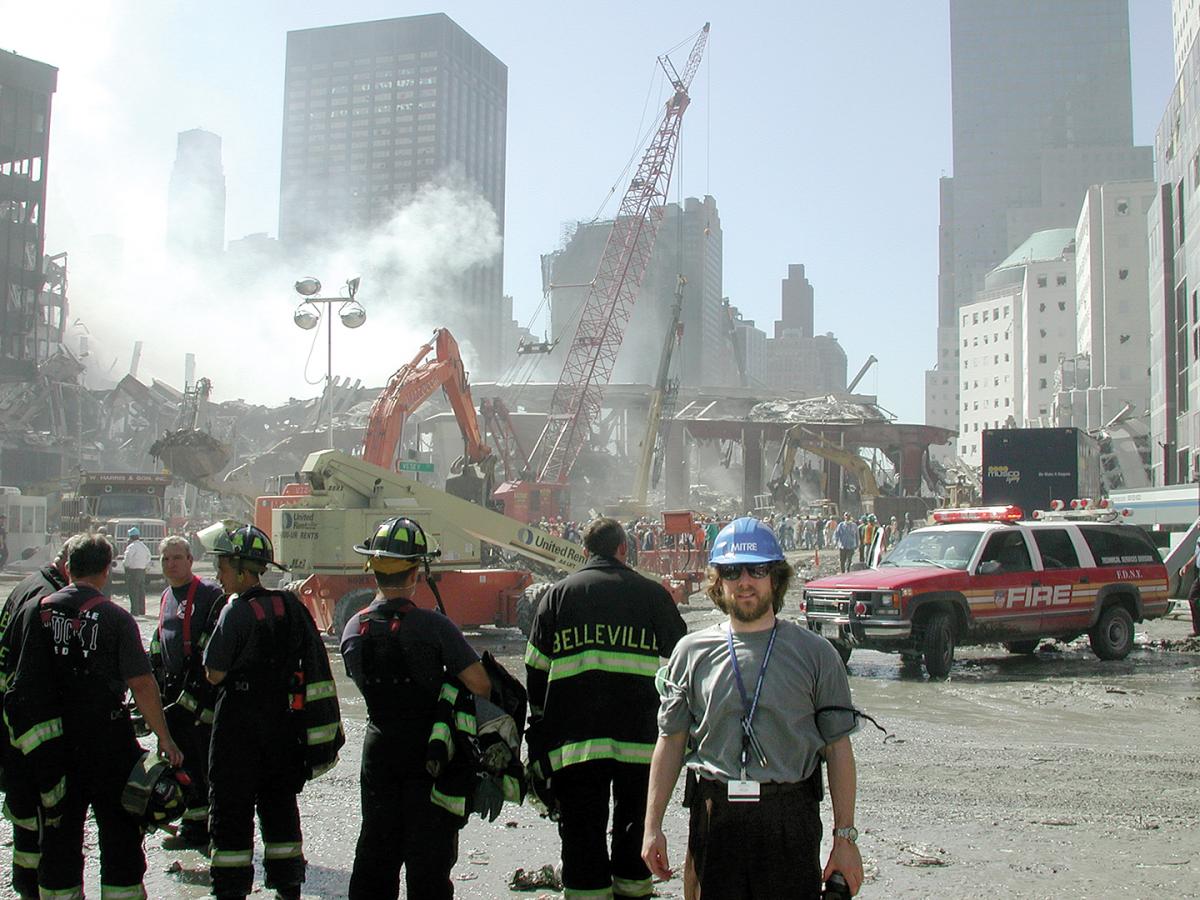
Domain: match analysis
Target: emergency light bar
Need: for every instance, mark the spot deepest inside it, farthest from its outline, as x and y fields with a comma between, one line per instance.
x=978, y=514
x=1082, y=509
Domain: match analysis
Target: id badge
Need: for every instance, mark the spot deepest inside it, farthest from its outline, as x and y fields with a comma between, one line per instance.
x=743, y=791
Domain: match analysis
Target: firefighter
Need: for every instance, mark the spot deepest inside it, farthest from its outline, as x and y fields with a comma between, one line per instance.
x=399, y=656
x=21, y=801
x=263, y=655
x=594, y=647
x=65, y=707
x=187, y=615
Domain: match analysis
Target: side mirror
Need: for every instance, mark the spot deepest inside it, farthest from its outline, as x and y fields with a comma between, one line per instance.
x=991, y=567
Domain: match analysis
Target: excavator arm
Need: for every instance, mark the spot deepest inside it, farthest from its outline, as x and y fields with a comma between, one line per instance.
x=798, y=438
x=410, y=386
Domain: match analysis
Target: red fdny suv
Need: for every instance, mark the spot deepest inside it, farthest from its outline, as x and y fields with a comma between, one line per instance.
x=981, y=576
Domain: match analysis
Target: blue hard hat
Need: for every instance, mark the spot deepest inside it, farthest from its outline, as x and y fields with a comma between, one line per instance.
x=134, y=533
x=745, y=540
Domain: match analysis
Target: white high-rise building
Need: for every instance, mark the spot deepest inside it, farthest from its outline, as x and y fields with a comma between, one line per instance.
x=1185, y=18
x=1112, y=321
x=1013, y=337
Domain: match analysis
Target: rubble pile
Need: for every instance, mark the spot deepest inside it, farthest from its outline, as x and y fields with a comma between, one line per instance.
x=828, y=410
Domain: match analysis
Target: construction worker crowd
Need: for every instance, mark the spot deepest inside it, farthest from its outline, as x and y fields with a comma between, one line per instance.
x=237, y=690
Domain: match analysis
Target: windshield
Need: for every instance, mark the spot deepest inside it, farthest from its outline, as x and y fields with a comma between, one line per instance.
x=128, y=506
x=934, y=547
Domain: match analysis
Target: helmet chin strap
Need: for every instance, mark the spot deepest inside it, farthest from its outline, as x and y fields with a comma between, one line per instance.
x=437, y=597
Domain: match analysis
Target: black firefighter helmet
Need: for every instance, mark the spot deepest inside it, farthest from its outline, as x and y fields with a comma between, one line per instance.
x=156, y=793
x=397, y=544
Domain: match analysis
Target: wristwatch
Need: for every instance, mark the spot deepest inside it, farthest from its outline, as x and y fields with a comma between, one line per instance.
x=850, y=834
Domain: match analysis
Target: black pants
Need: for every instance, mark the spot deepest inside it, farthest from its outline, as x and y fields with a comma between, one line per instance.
x=103, y=756
x=194, y=739
x=252, y=766
x=21, y=810
x=1194, y=604
x=401, y=828
x=583, y=792
x=135, y=584
x=785, y=824
x=845, y=557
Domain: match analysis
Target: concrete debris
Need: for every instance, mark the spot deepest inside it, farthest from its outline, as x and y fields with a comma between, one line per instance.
x=828, y=410
x=545, y=877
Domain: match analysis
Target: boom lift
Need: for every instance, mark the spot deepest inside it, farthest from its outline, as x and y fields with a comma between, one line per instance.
x=575, y=407
x=350, y=497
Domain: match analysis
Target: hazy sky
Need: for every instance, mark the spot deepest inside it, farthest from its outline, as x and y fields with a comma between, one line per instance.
x=820, y=133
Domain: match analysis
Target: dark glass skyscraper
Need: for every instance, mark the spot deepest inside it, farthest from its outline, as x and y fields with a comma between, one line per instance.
x=376, y=110
x=196, y=196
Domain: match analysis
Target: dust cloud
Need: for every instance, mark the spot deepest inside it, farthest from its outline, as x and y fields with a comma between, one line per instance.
x=235, y=313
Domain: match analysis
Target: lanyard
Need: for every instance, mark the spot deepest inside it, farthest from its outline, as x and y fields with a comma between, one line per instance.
x=187, y=614
x=749, y=707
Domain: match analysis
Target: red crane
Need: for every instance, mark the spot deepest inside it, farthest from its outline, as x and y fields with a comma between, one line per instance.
x=575, y=407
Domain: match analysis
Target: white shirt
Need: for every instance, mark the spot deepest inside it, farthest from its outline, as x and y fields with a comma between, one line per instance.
x=137, y=555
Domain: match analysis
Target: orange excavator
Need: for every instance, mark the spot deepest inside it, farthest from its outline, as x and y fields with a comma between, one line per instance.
x=473, y=474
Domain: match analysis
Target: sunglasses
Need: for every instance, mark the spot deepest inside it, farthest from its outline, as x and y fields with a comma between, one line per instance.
x=734, y=572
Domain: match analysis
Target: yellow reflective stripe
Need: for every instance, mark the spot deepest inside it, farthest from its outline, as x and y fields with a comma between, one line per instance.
x=30, y=824
x=600, y=748
x=596, y=894
x=38, y=735
x=449, y=693
x=604, y=661
x=320, y=690
x=114, y=892
x=196, y=814
x=26, y=859
x=465, y=722
x=440, y=732
x=633, y=887
x=455, y=805
x=512, y=789
x=192, y=705
x=71, y=893
x=536, y=659
x=283, y=850
x=322, y=734
x=232, y=859
x=54, y=796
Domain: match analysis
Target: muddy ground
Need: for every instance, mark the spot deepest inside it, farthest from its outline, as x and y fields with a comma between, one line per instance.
x=1053, y=775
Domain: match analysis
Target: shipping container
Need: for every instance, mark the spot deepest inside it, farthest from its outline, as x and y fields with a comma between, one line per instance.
x=1029, y=467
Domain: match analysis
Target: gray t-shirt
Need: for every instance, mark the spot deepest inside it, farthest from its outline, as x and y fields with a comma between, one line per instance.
x=700, y=696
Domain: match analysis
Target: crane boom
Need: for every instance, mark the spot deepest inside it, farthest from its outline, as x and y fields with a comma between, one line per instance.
x=588, y=367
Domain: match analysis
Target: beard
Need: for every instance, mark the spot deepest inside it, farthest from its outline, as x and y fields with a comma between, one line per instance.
x=761, y=607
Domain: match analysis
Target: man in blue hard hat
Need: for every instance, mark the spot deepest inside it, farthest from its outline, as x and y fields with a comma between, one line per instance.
x=754, y=705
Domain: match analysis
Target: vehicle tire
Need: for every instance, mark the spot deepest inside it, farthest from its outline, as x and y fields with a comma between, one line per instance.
x=938, y=644
x=844, y=650
x=350, y=603
x=1022, y=646
x=1112, y=638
